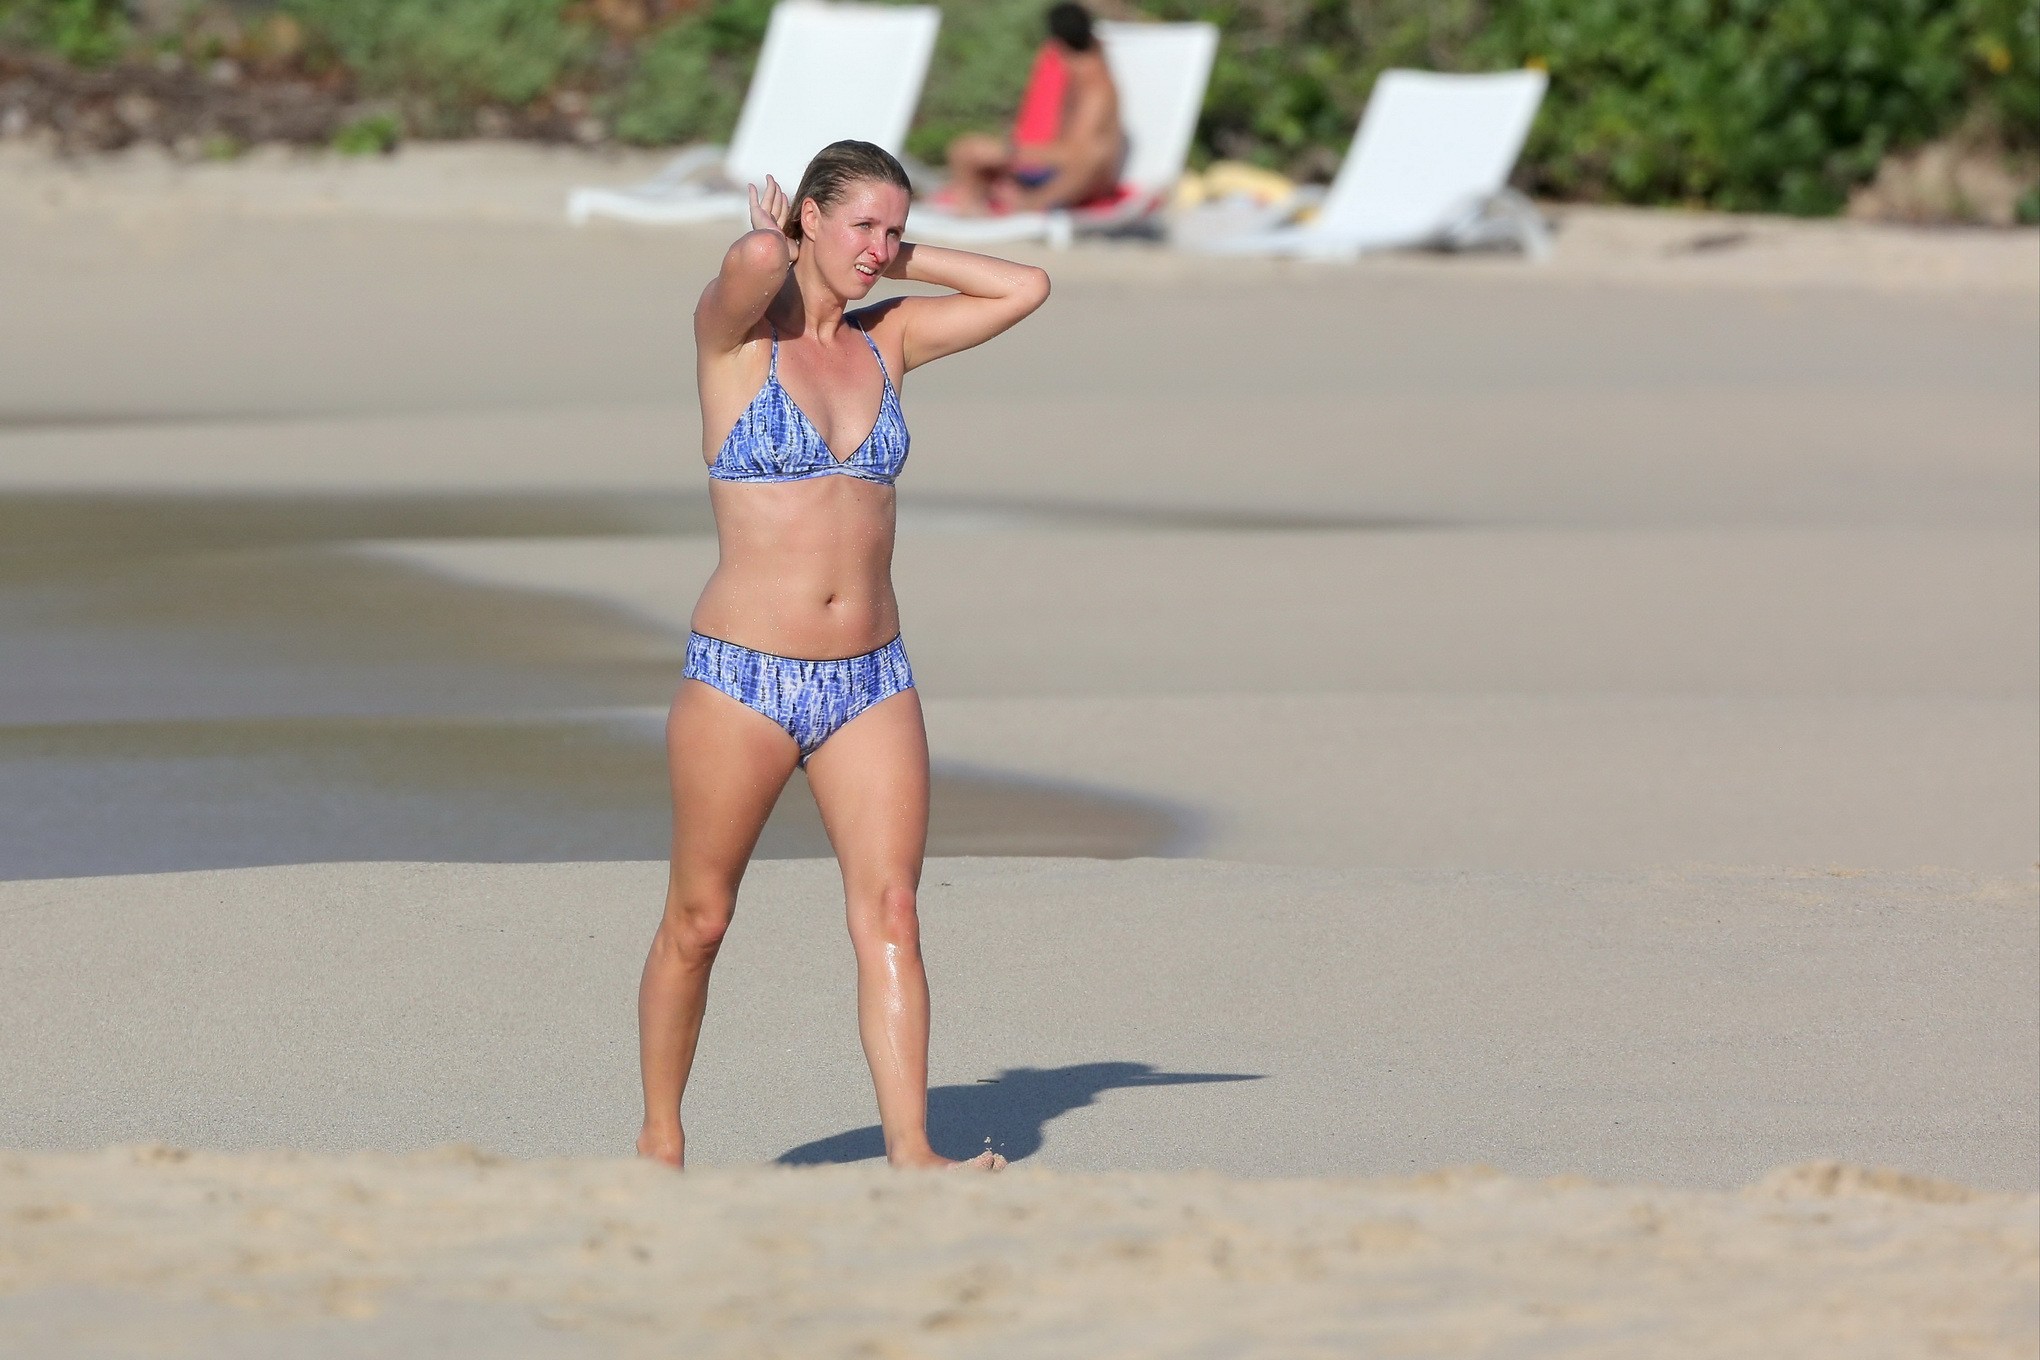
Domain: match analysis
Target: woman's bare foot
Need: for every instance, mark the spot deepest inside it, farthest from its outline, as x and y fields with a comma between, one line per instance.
x=987, y=1160
x=931, y=1160
x=663, y=1146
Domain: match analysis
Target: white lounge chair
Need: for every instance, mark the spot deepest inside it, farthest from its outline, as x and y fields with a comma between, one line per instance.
x=827, y=72
x=1159, y=72
x=1429, y=166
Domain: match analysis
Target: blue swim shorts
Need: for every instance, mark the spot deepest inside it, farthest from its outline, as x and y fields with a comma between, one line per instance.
x=810, y=699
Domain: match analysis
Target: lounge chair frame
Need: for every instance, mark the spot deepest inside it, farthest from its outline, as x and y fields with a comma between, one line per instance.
x=1428, y=168
x=827, y=71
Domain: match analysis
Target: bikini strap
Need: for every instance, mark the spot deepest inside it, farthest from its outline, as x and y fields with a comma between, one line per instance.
x=773, y=370
x=884, y=372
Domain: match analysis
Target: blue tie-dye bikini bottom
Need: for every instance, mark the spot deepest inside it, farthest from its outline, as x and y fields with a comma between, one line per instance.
x=810, y=699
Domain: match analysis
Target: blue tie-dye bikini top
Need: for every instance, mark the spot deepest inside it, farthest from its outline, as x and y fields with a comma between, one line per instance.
x=774, y=441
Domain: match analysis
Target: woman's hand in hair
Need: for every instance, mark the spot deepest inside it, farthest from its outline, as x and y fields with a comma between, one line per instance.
x=768, y=211
x=753, y=270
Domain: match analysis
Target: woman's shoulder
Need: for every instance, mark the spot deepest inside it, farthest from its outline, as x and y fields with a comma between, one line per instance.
x=885, y=323
x=880, y=316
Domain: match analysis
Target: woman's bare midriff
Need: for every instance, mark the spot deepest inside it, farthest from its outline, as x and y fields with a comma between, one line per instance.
x=805, y=568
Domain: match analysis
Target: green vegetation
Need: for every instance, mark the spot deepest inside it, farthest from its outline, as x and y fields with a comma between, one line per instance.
x=1774, y=104
x=449, y=56
x=1781, y=105
x=1293, y=75
x=687, y=80
x=83, y=32
x=374, y=135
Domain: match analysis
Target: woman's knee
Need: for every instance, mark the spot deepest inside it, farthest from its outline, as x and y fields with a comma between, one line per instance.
x=695, y=923
x=889, y=914
x=975, y=152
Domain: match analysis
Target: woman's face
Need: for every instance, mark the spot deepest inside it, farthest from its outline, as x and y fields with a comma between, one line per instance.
x=855, y=239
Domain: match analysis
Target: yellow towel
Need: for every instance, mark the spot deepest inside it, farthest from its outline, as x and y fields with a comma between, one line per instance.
x=1229, y=179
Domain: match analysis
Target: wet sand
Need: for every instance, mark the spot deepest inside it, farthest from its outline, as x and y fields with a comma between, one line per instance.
x=203, y=681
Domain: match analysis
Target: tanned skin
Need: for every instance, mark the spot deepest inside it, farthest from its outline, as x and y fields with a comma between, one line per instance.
x=806, y=570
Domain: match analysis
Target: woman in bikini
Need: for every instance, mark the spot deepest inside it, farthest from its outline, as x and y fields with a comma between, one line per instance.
x=795, y=657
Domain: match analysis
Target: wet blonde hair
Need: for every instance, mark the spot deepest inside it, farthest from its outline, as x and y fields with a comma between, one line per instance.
x=834, y=169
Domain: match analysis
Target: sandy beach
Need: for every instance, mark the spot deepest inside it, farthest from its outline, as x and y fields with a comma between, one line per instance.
x=1576, y=720
x=456, y=1252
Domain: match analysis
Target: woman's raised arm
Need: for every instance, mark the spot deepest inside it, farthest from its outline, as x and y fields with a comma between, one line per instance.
x=991, y=295
x=752, y=271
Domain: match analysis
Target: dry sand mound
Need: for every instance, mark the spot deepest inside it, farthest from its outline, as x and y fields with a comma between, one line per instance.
x=159, y=1251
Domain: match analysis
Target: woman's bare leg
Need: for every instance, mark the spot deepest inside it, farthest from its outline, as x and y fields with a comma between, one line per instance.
x=976, y=163
x=728, y=764
x=870, y=781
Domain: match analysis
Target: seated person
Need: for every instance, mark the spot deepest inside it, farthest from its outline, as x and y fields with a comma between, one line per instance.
x=1067, y=146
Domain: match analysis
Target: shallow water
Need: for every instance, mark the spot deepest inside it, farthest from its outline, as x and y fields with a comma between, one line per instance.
x=144, y=797
x=202, y=682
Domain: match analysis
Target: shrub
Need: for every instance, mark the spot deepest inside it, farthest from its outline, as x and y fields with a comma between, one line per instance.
x=374, y=135
x=451, y=56
x=1751, y=104
x=2003, y=36
x=687, y=82
x=1740, y=104
x=82, y=32
x=1292, y=76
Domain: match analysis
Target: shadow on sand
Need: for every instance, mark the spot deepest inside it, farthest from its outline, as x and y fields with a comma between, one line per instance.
x=1012, y=1109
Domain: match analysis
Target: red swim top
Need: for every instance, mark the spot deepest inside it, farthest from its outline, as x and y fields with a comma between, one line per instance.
x=1039, y=122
